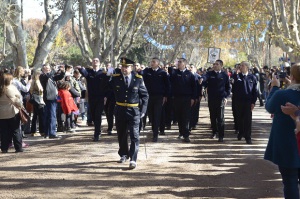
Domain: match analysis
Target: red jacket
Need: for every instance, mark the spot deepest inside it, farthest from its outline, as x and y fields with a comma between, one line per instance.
x=67, y=102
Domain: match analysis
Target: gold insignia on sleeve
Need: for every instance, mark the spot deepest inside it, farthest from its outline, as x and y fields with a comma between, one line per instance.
x=116, y=75
x=139, y=76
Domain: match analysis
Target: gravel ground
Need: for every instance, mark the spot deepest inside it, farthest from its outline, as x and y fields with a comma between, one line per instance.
x=76, y=167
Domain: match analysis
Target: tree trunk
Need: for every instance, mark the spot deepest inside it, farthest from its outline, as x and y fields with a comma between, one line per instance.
x=16, y=34
x=50, y=31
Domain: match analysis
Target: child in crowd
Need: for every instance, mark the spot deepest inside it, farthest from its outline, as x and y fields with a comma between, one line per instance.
x=68, y=105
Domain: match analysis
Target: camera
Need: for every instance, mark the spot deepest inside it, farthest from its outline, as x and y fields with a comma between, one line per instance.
x=282, y=75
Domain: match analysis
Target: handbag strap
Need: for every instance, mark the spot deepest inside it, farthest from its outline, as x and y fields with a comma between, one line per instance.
x=12, y=102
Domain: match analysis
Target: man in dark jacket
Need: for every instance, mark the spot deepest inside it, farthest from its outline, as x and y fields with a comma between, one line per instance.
x=97, y=87
x=48, y=80
x=218, y=89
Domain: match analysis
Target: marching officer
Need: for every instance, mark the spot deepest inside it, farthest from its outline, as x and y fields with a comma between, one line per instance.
x=129, y=91
x=218, y=89
x=158, y=86
x=244, y=89
x=185, y=93
x=97, y=86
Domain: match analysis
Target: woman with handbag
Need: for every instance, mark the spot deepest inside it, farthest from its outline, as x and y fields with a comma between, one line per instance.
x=36, y=91
x=23, y=87
x=10, y=102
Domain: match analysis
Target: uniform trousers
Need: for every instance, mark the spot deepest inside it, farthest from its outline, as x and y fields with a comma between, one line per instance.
x=216, y=111
x=154, y=111
x=195, y=114
x=182, y=109
x=244, y=118
x=109, y=112
x=290, y=182
x=96, y=107
x=128, y=120
x=233, y=106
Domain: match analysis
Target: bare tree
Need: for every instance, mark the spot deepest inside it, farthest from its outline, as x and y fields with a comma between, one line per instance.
x=111, y=29
x=285, y=25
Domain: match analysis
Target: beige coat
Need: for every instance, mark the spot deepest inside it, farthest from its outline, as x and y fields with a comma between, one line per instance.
x=7, y=109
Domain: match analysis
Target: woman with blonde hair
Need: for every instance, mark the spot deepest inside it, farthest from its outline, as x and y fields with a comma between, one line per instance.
x=10, y=101
x=23, y=85
x=282, y=147
x=36, y=91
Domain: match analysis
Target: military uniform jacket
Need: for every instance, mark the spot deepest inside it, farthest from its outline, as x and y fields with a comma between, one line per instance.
x=97, y=83
x=244, y=88
x=183, y=84
x=218, y=85
x=135, y=93
x=157, y=82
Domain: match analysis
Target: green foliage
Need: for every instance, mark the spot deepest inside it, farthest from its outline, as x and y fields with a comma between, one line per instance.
x=73, y=56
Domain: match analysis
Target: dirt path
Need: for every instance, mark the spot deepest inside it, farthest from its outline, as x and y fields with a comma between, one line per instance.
x=76, y=167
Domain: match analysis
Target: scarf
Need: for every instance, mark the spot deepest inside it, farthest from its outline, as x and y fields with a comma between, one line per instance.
x=295, y=87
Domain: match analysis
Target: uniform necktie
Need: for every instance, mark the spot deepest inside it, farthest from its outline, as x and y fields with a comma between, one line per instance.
x=126, y=81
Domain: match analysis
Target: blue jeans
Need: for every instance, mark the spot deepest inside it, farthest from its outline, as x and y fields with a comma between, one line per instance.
x=290, y=182
x=50, y=117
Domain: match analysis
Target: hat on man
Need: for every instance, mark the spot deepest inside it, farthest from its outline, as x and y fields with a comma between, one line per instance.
x=126, y=62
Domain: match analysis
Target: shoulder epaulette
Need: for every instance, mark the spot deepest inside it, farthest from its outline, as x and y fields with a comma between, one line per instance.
x=116, y=75
x=104, y=72
x=139, y=76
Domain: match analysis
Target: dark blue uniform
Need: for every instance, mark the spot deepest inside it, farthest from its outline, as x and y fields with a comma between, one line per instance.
x=184, y=89
x=245, y=93
x=97, y=87
x=196, y=107
x=158, y=86
x=131, y=103
x=218, y=88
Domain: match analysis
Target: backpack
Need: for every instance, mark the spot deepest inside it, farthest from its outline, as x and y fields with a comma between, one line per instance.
x=51, y=90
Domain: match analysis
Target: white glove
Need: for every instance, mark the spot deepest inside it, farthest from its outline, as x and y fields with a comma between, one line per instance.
x=142, y=115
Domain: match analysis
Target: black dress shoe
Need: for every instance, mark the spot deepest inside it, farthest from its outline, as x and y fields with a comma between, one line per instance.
x=220, y=140
x=239, y=138
x=248, y=142
x=109, y=133
x=154, y=139
x=162, y=133
x=4, y=151
x=19, y=151
x=54, y=137
x=187, y=140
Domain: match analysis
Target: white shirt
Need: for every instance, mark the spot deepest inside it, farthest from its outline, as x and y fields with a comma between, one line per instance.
x=245, y=74
x=129, y=78
x=182, y=70
x=218, y=71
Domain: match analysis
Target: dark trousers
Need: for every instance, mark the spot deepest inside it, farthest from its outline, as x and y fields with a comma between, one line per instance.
x=88, y=113
x=290, y=182
x=216, y=111
x=244, y=119
x=50, y=118
x=182, y=109
x=96, y=108
x=169, y=111
x=38, y=113
x=109, y=112
x=195, y=114
x=154, y=110
x=233, y=107
x=163, y=118
x=10, y=130
x=69, y=122
x=128, y=120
